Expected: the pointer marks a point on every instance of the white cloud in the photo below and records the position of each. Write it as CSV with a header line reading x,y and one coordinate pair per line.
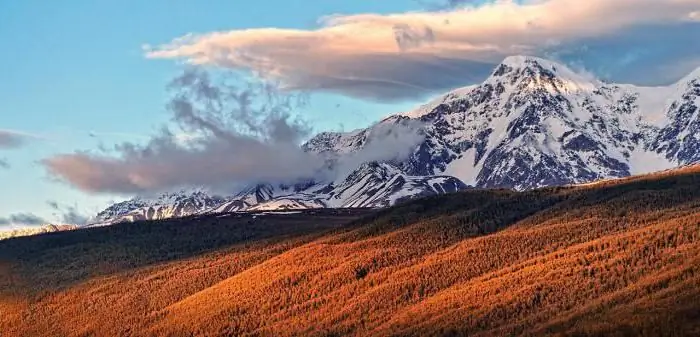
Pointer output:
x,y
402,55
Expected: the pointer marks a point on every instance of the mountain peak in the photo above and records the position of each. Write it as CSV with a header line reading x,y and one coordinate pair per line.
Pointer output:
x,y
538,70
534,65
519,61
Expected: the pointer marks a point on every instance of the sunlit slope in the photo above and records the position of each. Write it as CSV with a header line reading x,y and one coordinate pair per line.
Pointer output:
x,y
577,253
614,258
111,281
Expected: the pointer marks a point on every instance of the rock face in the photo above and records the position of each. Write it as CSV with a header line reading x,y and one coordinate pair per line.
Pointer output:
x,y
532,123
535,123
679,139
169,205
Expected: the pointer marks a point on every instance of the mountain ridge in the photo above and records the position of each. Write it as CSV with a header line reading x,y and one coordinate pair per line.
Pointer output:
x,y
532,123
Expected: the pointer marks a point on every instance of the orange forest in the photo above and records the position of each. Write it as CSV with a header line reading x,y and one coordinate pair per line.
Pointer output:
x,y
618,258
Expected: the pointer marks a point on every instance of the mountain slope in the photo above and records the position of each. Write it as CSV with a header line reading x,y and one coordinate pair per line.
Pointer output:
x,y
679,140
618,257
371,185
536,123
169,205
532,123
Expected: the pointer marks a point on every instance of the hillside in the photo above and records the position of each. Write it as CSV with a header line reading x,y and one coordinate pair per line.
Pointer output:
x,y
616,258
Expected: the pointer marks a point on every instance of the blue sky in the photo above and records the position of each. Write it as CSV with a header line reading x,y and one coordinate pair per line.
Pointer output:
x,y
75,74
77,67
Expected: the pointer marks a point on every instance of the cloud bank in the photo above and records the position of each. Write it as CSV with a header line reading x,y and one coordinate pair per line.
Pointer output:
x,y
240,133
244,133
408,55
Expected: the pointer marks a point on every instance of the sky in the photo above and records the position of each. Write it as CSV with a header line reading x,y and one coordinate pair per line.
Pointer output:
x,y
87,86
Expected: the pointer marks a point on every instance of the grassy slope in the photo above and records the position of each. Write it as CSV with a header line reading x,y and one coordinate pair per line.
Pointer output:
x,y
615,258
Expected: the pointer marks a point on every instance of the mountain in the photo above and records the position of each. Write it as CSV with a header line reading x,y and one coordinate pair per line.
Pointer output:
x,y
536,123
679,138
615,258
377,185
8,234
532,123
168,205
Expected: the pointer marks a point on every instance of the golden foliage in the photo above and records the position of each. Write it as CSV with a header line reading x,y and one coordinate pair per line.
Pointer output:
x,y
614,258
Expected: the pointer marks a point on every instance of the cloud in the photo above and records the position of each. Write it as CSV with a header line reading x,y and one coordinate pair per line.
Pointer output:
x,y
694,16
389,140
447,4
408,37
54,205
4,164
73,217
236,133
10,139
28,219
232,133
68,214
164,165
408,55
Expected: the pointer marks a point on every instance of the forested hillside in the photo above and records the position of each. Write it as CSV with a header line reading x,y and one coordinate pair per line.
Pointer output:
x,y
619,257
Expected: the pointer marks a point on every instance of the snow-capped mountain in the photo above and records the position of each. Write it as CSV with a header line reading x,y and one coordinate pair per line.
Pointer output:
x,y
370,185
679,138
536,123
532,123
381,184
168,205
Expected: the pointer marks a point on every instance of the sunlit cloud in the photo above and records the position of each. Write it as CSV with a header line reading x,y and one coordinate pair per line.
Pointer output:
x,y
405,55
